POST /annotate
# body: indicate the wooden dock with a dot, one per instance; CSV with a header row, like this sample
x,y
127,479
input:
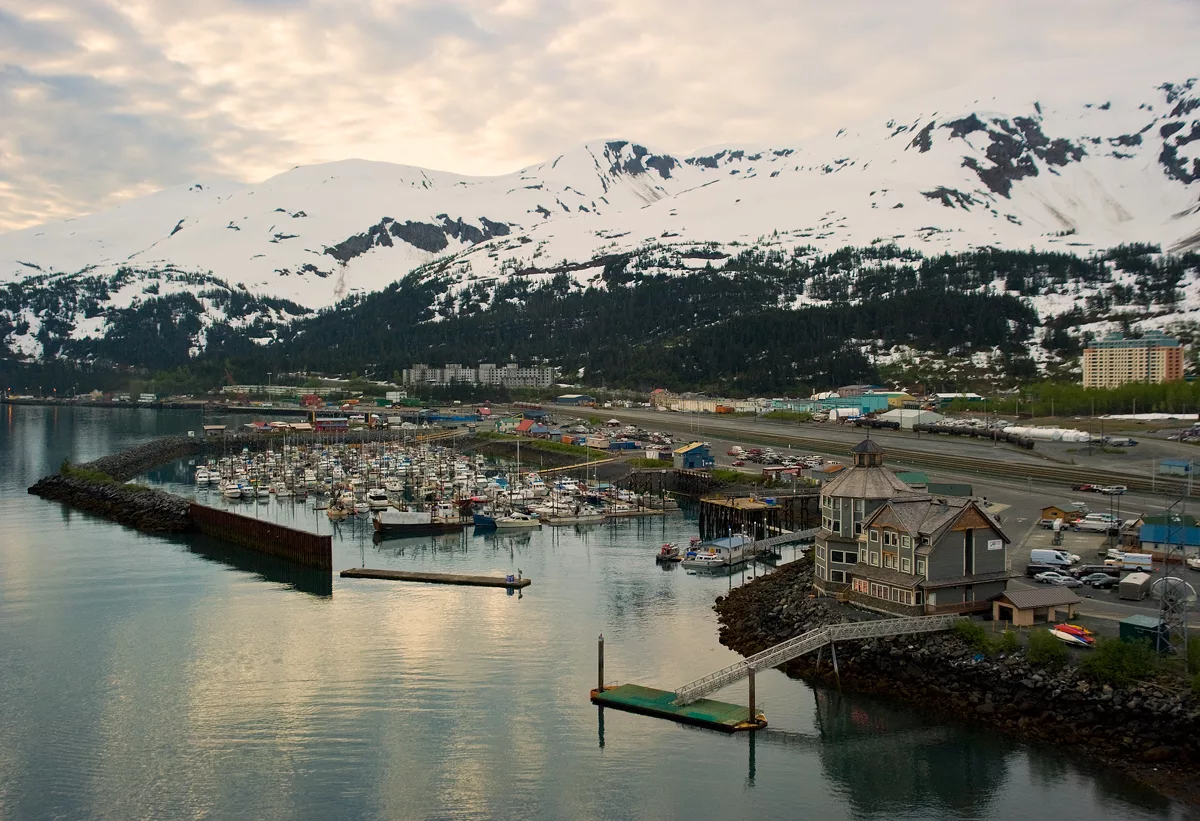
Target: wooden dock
x,y
715,715
434,578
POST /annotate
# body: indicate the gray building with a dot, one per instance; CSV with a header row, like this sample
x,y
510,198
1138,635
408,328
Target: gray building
x,y
930,554
847,501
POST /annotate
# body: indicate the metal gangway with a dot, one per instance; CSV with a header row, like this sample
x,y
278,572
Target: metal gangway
x,y
761,545
806,643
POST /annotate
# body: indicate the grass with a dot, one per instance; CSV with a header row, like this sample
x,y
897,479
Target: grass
x,y
789,416
547,447
1045,650
1119,663
642,462
972,633
96,477
1107,449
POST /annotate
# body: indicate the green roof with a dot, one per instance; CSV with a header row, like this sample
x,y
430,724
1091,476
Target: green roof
x,y
912,477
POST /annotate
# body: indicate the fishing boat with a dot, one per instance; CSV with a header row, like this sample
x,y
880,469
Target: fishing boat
x,y
580,515
518,520
668,553
377,498
725,552
483,519
337,511
1073,635
442,519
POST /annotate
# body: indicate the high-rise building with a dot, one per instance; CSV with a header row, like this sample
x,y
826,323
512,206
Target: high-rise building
x,y
1115,360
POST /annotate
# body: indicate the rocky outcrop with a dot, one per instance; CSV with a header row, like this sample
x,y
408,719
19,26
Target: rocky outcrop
x,y
1150,731
150,510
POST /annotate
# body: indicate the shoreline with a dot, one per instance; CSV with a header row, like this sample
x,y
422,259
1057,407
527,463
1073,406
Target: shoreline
x,y
1144,731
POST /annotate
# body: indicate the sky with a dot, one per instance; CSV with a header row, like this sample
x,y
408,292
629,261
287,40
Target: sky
x,y
101,101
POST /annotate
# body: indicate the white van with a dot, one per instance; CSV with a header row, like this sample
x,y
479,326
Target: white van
x,y
1055,558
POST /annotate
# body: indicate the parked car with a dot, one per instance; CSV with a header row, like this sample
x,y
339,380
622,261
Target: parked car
x,y
1113,490
1046,524
1088,569
1054,577
1034,568
739,463
1100,581
1085,488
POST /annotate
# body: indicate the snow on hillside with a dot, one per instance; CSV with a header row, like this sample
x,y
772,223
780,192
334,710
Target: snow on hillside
x,y
1051,172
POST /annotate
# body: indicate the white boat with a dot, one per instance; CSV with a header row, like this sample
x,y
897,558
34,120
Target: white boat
x,y
282,490
377,498
202,476
416,522
581,515
231,490
725,552
362,507
517,520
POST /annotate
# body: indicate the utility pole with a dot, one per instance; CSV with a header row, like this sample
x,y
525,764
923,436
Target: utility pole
x,y
1175,598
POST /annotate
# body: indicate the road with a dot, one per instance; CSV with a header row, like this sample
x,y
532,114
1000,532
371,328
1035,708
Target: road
x,y
1019,502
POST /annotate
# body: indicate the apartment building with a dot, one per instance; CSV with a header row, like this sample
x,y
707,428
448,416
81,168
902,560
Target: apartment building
x,y
509,375
1115,360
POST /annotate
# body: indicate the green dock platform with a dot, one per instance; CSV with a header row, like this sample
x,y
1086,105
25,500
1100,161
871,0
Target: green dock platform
x,y
716,715
434,578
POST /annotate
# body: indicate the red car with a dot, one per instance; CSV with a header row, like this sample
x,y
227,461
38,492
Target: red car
x,y
739,463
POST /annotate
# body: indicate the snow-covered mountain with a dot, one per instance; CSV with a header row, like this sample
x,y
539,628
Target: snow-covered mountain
x,y
1066,173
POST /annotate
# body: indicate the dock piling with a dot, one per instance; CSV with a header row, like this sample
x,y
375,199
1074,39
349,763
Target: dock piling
x,y
600,671
753,715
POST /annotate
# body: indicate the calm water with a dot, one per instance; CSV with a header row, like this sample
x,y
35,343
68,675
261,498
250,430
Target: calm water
x,y
148,677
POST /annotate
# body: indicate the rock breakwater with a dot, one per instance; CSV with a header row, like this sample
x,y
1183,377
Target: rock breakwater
x,y
1150,730
142,508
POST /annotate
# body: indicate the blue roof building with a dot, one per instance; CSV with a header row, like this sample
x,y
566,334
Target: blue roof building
x,y
1159,537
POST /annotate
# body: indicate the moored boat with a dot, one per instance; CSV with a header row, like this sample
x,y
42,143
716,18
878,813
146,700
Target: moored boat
x,y
517,520
725,552
416,522
668,553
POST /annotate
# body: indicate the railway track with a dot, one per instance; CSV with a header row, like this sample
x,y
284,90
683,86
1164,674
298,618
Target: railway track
x,y
970,464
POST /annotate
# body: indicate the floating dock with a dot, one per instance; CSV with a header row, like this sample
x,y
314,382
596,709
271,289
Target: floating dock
x,y
715,715
434,578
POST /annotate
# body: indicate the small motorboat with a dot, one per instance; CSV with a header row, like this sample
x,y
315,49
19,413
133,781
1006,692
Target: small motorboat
x,y
362,507
337,511
668,553
517,520
1074,635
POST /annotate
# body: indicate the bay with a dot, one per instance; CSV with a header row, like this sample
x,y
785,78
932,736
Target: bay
x,y
155,677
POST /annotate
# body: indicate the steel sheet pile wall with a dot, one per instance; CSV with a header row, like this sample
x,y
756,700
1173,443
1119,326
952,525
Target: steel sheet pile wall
x,y
266,537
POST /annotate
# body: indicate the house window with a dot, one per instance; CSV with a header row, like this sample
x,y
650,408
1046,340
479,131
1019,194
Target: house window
x,y
837,556
837,526
825,502
820,571
860,506
874,558
837,576
920,597
861,586
906,565
905,541
889,561
837,503
820,553
857,528
890,537
920,567
969,552
874,534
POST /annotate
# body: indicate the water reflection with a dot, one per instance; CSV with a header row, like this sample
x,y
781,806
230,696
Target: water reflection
x,y
269,568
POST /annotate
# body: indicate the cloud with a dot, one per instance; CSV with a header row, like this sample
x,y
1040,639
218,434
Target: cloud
x,y
105,100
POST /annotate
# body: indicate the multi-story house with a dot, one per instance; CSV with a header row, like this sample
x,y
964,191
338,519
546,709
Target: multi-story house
x,y
847,501
922,555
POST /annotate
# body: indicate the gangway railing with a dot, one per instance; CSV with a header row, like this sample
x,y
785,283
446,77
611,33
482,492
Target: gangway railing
x,y
807,642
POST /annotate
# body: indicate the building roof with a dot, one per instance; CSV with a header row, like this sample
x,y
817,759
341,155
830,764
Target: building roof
x,y
1028,598
1170,534
689,448
1178,463
865,483
525,425
867,446
923,514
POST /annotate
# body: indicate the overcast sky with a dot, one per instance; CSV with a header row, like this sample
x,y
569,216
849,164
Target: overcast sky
x,y
101,100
